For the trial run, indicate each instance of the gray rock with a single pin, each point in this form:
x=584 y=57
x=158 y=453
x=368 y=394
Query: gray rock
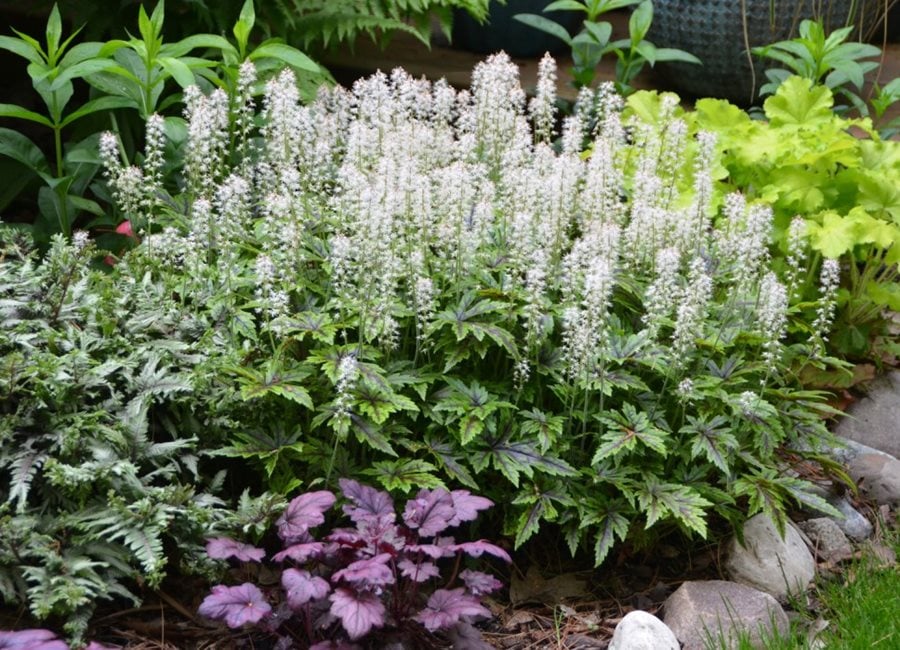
x=878 y=477
x=643 y=631
x=827 y=537
x=768 y=562
x=875 y=419
x=853 y=523
x=714 y=612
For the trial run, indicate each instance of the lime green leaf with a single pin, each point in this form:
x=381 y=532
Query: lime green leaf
x=797 y=101
x=21 y=48
x=834 y=236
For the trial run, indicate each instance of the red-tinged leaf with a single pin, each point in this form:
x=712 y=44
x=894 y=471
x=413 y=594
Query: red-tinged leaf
x=433 y=551
x=446 y=606
x=235 y=605
x=467 y=506
x=479 y=583
x=367 y=502
x=359 y=612
x=476 y=549
x=300 y=552
x=373 y=572
x=222 y=548
x=304 y=512
x=430 y=512
x=31 y=640
x=300 y=587
x=418 y=571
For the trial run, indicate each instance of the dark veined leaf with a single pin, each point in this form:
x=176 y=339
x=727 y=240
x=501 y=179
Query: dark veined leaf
x=611 y=523
x=515 y=458
x=300 y=587
x=479 y=583
x=712 y=440
x=657 y=500
x=404 y=475
x=358 y=612
x=479 y=548
x=235 y=605
x=222 y=548
x=418 y=571
x=445 y=607
x=430 y=512
x=466 y=506
x=301 y=552
x=373 y=572
x=304 y=512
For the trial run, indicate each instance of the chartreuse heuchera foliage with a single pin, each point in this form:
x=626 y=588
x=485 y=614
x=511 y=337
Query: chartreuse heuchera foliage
x=805 y=160
x=411 y=285
x=373 y=576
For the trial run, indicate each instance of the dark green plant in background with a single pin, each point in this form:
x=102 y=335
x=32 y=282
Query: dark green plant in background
x=593 y=42
x=143 y=73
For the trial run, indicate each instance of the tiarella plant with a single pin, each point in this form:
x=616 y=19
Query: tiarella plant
x=369 y=583
x=430 y=294
x=406 y=283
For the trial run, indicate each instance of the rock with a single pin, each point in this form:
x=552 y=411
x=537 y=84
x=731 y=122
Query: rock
x=828 y=539
x=643 y=631
x=710 y=612
x=878 y=477
x=874 y=419
x=853 y=523
x=768 y=562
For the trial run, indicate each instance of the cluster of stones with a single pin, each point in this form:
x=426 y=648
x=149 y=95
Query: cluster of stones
x=768 y=569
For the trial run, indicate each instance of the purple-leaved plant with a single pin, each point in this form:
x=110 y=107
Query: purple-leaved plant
x=380 y=574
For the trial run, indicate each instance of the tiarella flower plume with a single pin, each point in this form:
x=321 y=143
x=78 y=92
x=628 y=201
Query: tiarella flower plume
x=796 y=254
x=771 y=313
x=829 y=282
x=542 y=107
x=691 y=309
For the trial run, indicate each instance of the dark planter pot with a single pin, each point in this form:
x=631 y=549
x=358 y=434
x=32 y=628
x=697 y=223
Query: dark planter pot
x=502 y=32
x=713 y=30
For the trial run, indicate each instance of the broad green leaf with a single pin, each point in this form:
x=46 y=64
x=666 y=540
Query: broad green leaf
x=96 y=105
x=639 y=22
x=545 y=25
x=672 y=54
x=177 y=69
x=18 y=112
x=22 y=48
x=285 y=53
x=405 y=475
x=53 y=33
x=81 y=70
x=189 y=43
x=834 y=236
x=799 y=102
x=18 y=147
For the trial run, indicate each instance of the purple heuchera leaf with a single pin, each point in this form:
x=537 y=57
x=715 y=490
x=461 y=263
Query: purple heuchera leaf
x=418 y=571
x=430 y=512
x=235 y=605
x=301 y=587
x=433 y=551
x=479 y=583
x=222 y=548
x=368 y=503
x=304 y=512
x=476 y=549
x=31 y=640
x=371 y=572
x=359 y=611
x=467 y=506
x=300 y=552
x=446 y=606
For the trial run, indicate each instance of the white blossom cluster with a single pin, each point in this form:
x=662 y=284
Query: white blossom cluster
x=406 y=193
